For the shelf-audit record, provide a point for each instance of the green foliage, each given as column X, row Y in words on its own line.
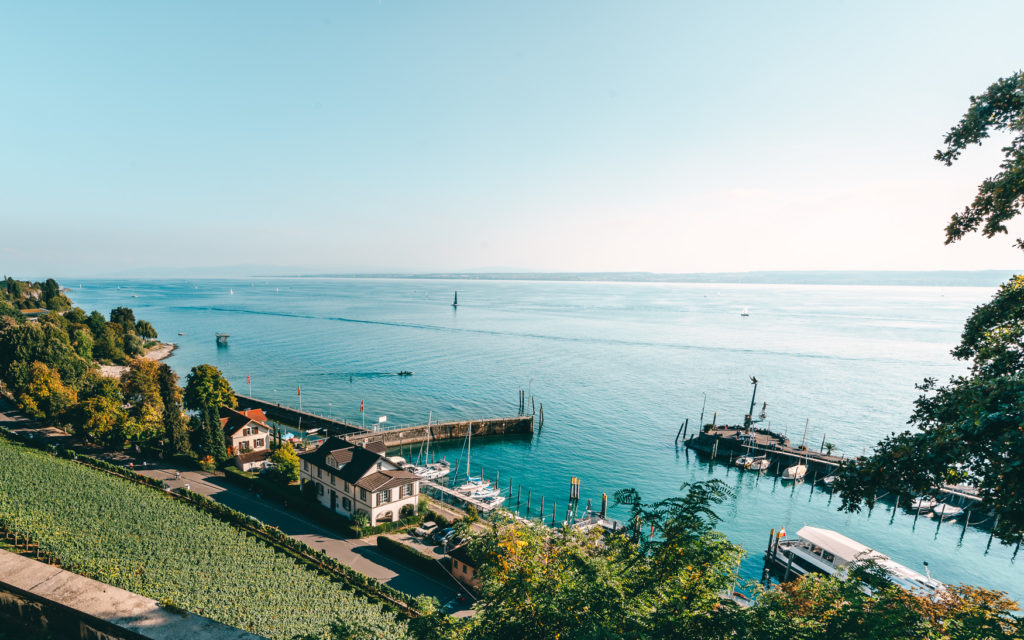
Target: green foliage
column 141, row 540
column 1001, row 197
column 175, row 423
column 96, row 323
column 124, row 317
column 141, row 389
column 206, row 387
column 969, row 431
column 145, row 330
column 44, row 396
column 286, row 461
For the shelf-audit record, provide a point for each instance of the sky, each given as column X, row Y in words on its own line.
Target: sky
column 357, row 136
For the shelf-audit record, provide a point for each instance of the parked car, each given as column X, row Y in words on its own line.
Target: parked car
column 425, row 529
column 443, row 535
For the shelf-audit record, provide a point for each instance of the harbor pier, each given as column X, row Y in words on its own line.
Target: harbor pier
column 393, row 436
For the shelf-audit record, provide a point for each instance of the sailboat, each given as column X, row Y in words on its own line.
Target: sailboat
column 231, row 292
column 745, row 312
column 455, row 303
column 473, row 483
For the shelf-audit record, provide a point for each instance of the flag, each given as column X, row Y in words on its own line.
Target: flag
column 299, row 391
column 382, row 419
column 248, row 379
column 782, row 532
column 360, row 406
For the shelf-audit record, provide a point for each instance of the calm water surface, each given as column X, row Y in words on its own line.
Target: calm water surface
column 618, row 367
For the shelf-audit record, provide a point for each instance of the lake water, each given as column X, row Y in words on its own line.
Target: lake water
column 617, row 366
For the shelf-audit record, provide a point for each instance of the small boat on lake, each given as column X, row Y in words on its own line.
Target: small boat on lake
column 745, row 313
column 744, row 462
column 943, row 510
column 923, row 504
column 455, row 303
column 796, row 472
column 405, row 373
column 759, row 464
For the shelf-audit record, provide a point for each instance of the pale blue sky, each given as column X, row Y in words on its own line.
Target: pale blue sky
column 427, row 136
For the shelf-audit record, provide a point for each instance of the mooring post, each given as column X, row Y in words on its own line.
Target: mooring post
column 822, row 443
column 682, row 428
column 992, row 532
column 519, row 497
column 497, row 477
column 604, row 505
column 554, row 511
column 714, row 450
column 542, row 508
column 510, row 488
column 789, row 565
column 766, row 573
column 529, row 498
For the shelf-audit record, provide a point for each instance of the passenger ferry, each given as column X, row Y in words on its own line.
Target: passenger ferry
column 816, row 550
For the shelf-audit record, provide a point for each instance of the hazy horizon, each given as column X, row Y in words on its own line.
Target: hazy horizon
column 658, row 137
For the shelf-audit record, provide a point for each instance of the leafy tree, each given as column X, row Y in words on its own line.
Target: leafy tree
column 109, row 343
column 83, row 343
column 100, row 418
column 212, row 441
column 817, row 607
column 124, row 317
column 145, row 330
column 286, row 461
column 1001, row 197
column 968, row 431
column 96, row 323
column 141, row 388
column 176, row 432
column 205, row 386
column 45, row 396
column 76, row 316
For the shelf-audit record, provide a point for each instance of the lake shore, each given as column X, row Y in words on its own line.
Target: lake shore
column 158, row 352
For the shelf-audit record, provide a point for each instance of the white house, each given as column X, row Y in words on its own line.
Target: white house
column 247, row 435
column 349, row 479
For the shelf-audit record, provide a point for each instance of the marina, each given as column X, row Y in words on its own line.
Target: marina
column 618, row 368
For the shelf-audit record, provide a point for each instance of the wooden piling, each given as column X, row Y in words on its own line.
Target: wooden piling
column 519, row 497
column 554, row 511
column 542, row 507
column 529, row 498
column 992, row 532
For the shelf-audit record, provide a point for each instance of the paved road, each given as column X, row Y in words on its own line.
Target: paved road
column 359, row 554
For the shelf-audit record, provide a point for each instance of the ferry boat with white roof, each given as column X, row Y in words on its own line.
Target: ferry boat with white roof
column 816, row 550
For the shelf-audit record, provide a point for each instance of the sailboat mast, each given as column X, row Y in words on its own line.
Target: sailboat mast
column 469, row 445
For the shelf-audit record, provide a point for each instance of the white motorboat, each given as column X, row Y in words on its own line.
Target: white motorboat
column 759, row 464
column 796, row 472
column 828, row 480
column 744, row 461
column 484, row 493
column 943, row 510
column 815, row 550
column 495, row 502
column 923, row 504
column 473, row 483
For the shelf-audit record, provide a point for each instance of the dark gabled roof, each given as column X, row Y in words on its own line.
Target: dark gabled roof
column 231, row 420
column 461, row 553
column 355, row 461
column 386, row 479
column 377, row 446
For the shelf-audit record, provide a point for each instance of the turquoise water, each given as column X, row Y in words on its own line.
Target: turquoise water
column 618, row 367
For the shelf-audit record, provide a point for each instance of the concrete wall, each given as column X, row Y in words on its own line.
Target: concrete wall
column 40, row 596
column 289, row 416
column 447, row 431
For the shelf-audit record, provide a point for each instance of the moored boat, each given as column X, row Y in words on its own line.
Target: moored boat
column 796, row 472
column 815, row 550
column 944, row 510
column 923, row 504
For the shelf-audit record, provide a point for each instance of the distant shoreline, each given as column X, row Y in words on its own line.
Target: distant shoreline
column 986, row 278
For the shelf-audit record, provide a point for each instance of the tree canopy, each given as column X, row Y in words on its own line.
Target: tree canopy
column 969, row 430
column 1000, row 197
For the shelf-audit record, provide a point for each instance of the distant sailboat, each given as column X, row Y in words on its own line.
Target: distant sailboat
column 455, row 303
column 745, row 313
column 231, row 292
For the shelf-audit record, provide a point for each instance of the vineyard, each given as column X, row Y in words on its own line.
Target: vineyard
column 138, row 539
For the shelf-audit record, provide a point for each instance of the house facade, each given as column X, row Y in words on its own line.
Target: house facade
column 247, row 436
column 350, row 479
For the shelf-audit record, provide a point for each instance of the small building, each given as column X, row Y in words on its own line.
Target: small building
column 464, row 567
column 349, row 479
column 248, row 436
column 34, row 314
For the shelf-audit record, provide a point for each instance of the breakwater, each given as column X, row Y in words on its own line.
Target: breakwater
column 517, row 425
column 293, row 417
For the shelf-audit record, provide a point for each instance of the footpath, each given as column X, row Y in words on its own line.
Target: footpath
column 360, row 554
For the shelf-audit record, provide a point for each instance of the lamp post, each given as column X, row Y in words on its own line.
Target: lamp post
column 750, row 414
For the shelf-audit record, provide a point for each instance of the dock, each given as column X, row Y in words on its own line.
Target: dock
column 732, row 441
column 479, row 505
column 392, row 436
